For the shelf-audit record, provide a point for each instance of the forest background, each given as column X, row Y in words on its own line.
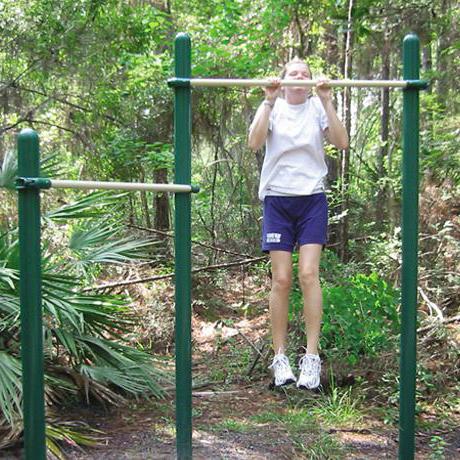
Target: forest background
column 90, row 76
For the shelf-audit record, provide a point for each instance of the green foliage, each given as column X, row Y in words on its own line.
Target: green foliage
column 65, row 433
column 440, row 151
column 236, row 426
column 87, row 351
column 90, row 76
column 325, row 446
column 360, row 317
column 305, row 432
column 92, row 205
column 99, row 243
column 338, row 408
column 437, row 445
column 8, row 170
column 360, row 311
column 124, row 156
column 10, row 387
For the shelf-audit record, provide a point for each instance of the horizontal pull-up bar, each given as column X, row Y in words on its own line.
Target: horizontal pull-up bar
column 40, row 182
column 246, row 83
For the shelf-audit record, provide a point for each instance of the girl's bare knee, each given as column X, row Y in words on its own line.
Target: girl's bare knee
column 281, row 283
column 308, row 276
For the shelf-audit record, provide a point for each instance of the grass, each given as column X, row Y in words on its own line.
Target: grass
column 324, row 446
column 303, row 422
column 307, row 436
column 438, row 446
column 237, row 426
column 166, row 426
column 339, row 408
column 292, row 420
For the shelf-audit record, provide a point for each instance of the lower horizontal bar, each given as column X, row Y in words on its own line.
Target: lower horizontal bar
column 230, row 82
column 39, row 182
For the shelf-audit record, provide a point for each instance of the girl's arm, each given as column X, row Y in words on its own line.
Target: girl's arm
column 336, row 132
column 259, row 128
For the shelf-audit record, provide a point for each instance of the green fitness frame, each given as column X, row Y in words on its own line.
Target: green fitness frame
column 411, row 85
column 29, row 185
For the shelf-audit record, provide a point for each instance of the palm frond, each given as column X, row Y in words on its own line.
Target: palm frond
column 93, row 205
column 103, row 313
column 9, row 304
column 100, row 244
column 10, row 388
column 83, row 313
column 9, row 250
column 62, row 312
column 8, row 170
column 71, row 433
column 67, row 340
column 111, row 376
column 51, row 165
column 8, row 276
column 84, row 238
column 134, row 370
column 86, row 335
column 116, row 252
column 9, row 312
column 59, row 386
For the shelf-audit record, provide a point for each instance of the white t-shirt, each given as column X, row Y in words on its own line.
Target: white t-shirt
column 294, row 162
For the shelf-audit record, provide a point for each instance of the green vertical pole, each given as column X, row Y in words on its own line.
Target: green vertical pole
column 411, row 64
column 30, row 295
column 183, row 167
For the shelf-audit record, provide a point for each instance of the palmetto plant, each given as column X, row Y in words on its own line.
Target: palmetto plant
column 87, row 356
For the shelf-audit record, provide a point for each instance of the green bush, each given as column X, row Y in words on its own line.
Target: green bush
column 360, row 311
column 360, row 317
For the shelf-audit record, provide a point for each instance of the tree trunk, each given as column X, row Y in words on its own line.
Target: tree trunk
column 144, row 202
column 213, row 194
column 345, row 154
column 442, row 58
column 380, row 208
column 161, row 202
column 332, row 57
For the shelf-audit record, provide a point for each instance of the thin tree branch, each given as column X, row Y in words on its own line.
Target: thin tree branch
column 66, row 102
column 13, row 82
column 46, row 123
column 431, row 305
column 171, row 275
column 198, row 243
column 4, row 129
column 437, row 323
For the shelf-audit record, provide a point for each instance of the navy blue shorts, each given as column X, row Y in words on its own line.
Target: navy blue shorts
column 291, row 220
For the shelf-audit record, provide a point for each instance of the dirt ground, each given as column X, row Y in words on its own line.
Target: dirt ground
column 225, row 409
column 146, row 431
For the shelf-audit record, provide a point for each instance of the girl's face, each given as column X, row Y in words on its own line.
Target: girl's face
column 298, row 71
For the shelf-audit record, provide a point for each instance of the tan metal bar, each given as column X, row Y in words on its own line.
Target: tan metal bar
column 229, row 82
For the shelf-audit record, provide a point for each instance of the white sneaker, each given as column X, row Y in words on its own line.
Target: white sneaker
column 310, row 369
column 282, row 372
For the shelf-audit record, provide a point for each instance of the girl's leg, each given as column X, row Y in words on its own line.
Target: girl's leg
column 309, row 257
column 279, row 297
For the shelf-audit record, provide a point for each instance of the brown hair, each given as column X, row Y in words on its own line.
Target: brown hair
column 295, row 60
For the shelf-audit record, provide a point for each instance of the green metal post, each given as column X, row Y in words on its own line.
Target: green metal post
column 183, row 167
column 411, row 66
column 31, row 304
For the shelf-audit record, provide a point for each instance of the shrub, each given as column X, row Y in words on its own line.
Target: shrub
column 360, row 316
